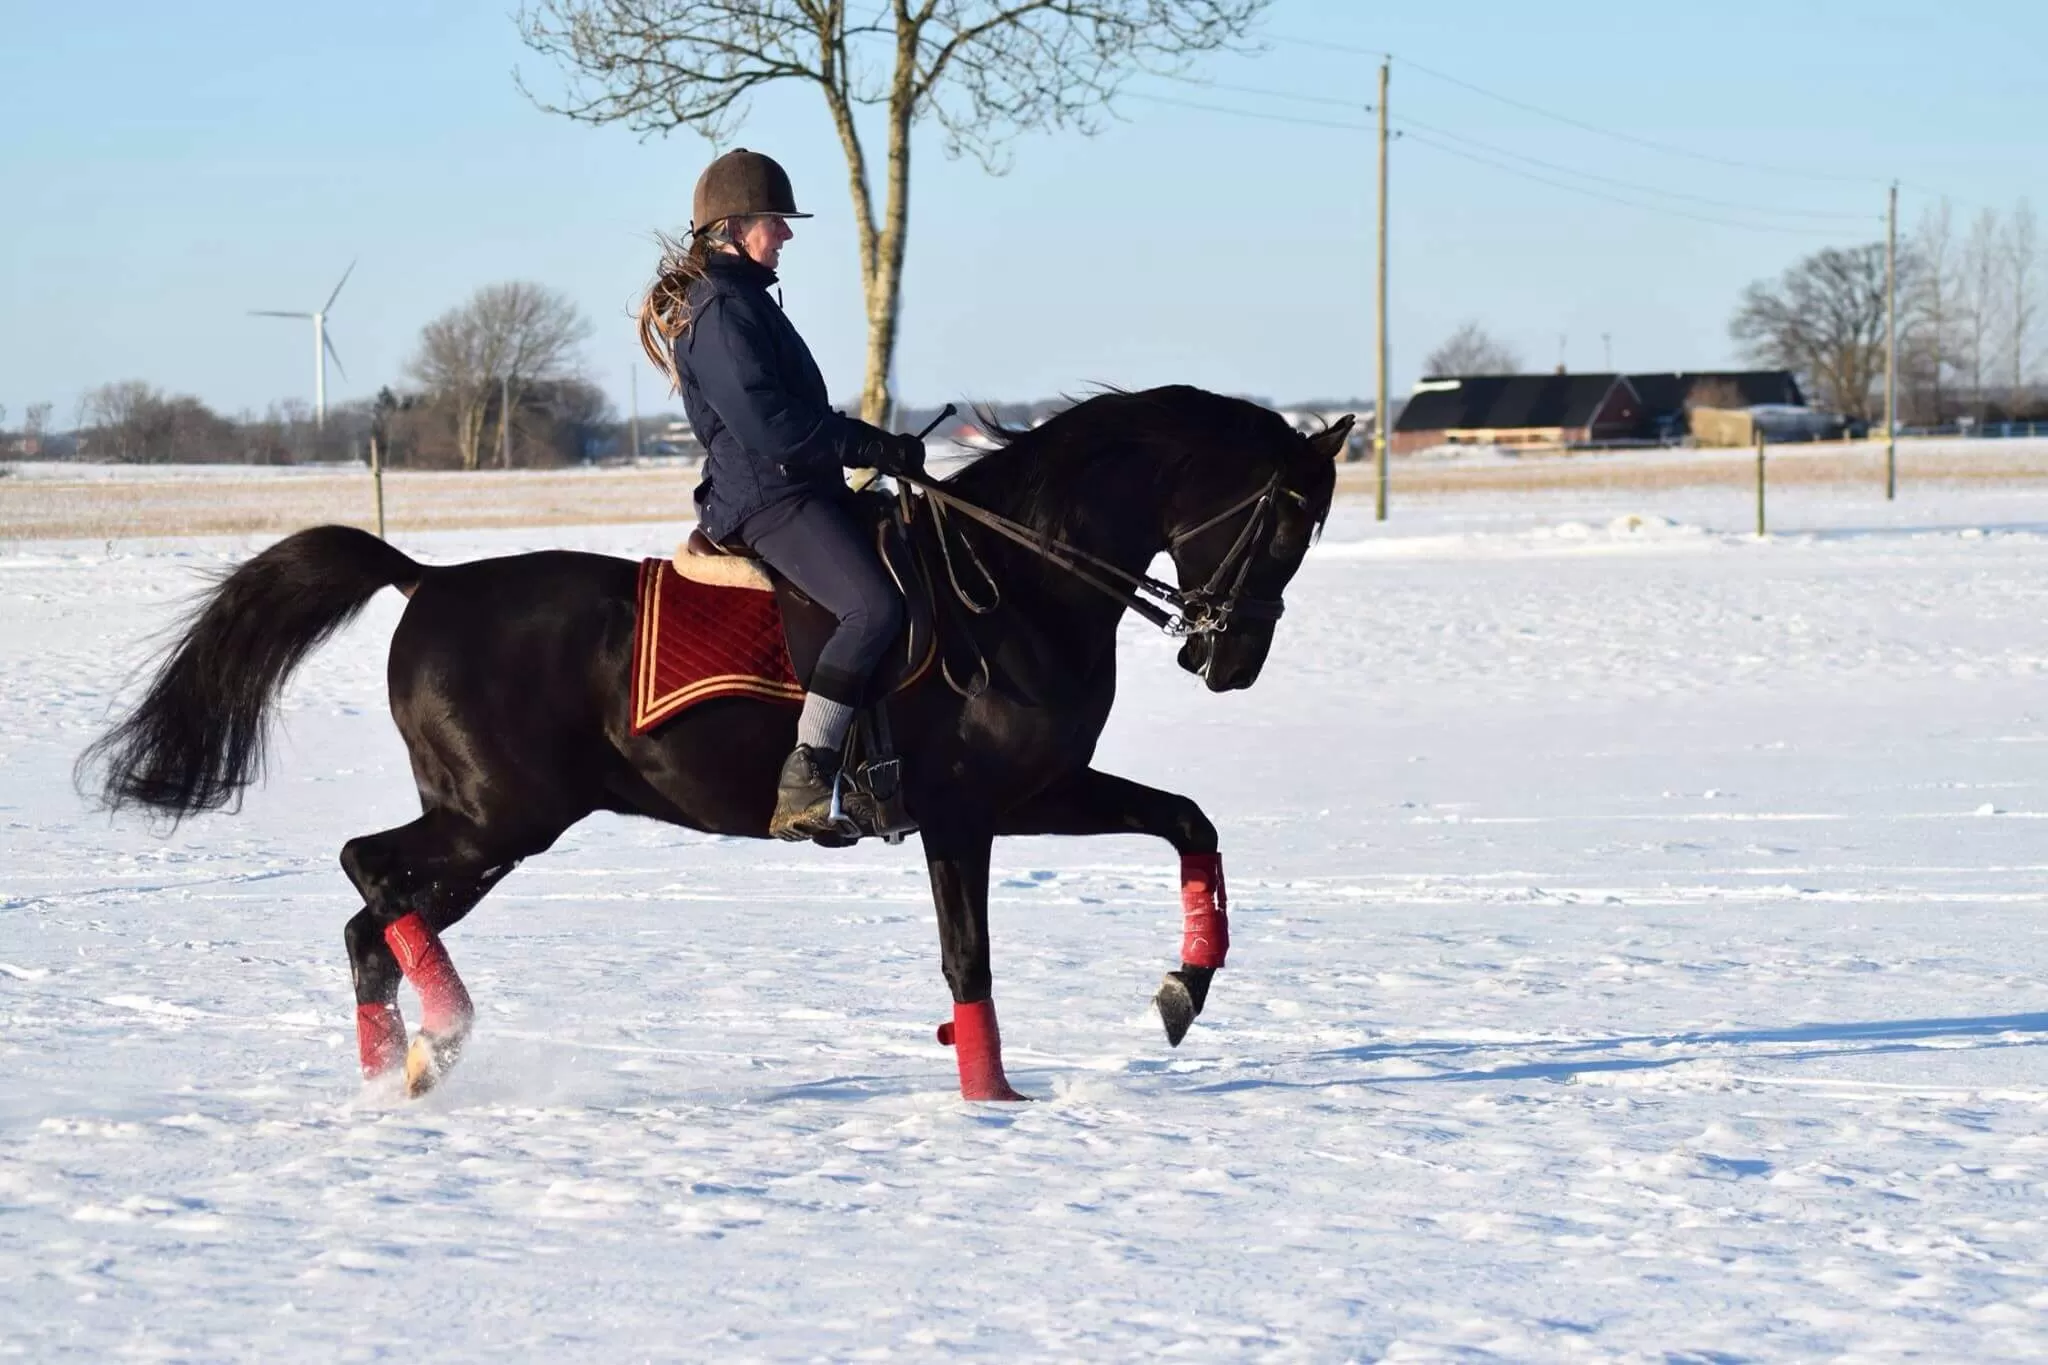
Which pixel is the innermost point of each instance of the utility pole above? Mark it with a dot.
(634, 376)
(505, 421)
(1891, 346)
(1381, 419)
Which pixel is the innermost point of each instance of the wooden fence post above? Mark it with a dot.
(1759, 481)
(377, 480)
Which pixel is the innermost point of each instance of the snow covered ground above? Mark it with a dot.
(1639, 953)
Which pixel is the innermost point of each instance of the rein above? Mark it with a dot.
(1200, 611)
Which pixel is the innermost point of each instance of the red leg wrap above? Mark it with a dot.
(973, 1032)
(380, 1038)
(1205, 919)
(444, 1000)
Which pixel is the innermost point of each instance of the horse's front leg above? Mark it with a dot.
(1090, 802)
(958, 860)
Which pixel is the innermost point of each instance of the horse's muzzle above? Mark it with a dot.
(1226, 663)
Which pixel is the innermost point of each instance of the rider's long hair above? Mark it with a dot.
(665, 311)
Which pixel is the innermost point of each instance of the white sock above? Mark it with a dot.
(824, 723)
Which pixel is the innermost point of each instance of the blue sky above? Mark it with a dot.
(167, 167)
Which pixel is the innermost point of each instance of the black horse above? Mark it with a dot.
(509, 682)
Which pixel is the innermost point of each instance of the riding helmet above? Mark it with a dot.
(739, 184)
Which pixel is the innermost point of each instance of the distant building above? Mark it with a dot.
(1668, 399)
(673, 437)
(1582, 409)
(1518, 410)
(1776, 422)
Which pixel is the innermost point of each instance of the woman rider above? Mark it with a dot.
(774, 448)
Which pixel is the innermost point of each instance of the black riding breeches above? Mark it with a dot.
(815, 544)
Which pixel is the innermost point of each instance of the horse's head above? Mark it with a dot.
(1235, 554)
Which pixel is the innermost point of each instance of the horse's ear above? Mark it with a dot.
(1329, 442)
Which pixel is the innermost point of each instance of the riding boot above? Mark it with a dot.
(803, 794)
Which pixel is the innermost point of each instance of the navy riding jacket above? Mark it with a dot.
(757, 401)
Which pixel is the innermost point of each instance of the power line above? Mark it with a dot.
(1489, 160)
(1489, 156)
(1636, 186)
(1285, 95)
(1244, 113)
(1329, 46)
(1651, 144)
(1669, 149)
(1449, 150)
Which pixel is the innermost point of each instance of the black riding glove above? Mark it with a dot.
(894, 452)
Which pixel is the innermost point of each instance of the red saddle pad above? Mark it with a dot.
(693, 642)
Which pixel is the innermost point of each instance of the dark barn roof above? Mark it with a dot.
(1500, 401)
(1670, 392)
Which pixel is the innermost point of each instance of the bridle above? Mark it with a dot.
(1194, 612)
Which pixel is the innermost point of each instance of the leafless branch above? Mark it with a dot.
(983, 70)
(1471, 350)
(1825, 318)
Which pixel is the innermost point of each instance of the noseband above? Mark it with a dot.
(1209, 609)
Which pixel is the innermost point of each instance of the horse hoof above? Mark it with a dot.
(999, 1093)
(1177, 1008)
(1181, 997)
(426, 1061)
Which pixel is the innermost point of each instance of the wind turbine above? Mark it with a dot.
(322, 347)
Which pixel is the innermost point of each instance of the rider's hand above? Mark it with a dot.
(895, 452)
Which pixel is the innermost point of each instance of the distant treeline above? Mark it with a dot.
(553, 422)
(497, 382)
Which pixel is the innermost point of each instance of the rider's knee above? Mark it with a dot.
(890, 615)
(880, 615)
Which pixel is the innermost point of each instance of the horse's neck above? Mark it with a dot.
(1117, 521)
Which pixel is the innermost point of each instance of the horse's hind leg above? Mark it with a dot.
(380, 1028)
(416, 881)
(1092, 802)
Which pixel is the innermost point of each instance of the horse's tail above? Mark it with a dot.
(195, 741)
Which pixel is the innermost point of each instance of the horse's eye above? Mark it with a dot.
(1287, 534)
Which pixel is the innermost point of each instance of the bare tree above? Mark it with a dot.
(1983, 299)
(1716, 394)
(1928, 330)
(505, 336)
(2022, 283)
(986, 70)
(1469, 351)
(35, 425)
(132, 421)
(285, 433)
(1823, 318)
(118, 416)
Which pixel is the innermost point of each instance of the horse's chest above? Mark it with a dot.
(1035, 743)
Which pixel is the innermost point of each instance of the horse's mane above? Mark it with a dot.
(1039, 474)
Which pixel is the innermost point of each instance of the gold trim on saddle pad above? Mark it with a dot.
(650, 707)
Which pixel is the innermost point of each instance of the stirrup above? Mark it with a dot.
(883, 779)
(843, 823)
(879, 775)
(875, 810)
